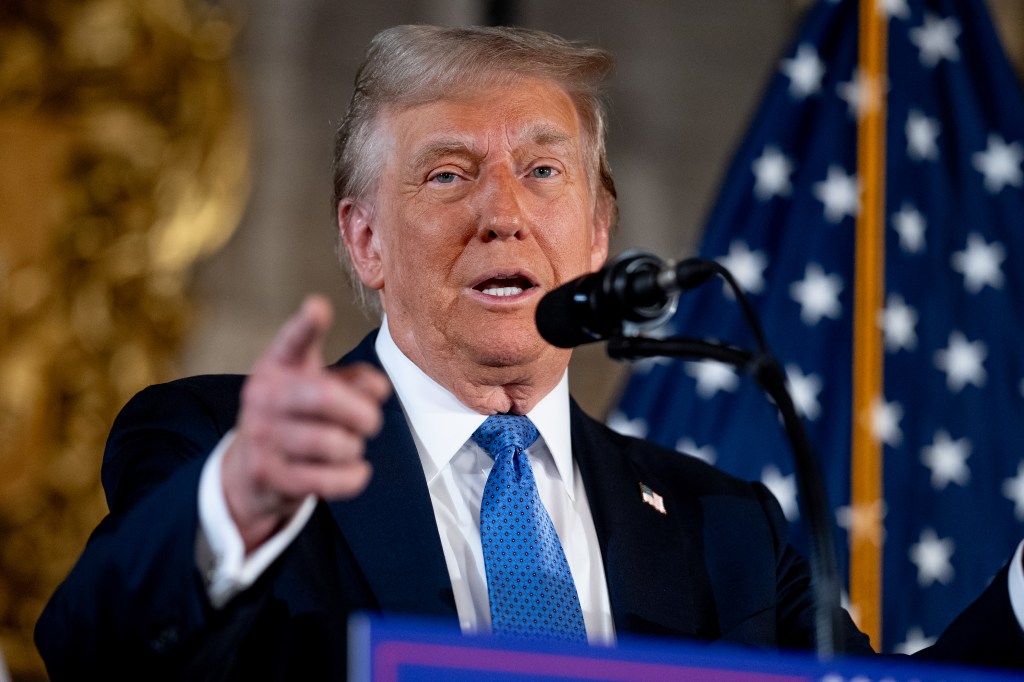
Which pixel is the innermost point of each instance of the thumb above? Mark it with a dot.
(302, 336)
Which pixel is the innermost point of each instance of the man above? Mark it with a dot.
(250, 516)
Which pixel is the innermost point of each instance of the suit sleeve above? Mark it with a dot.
(135, 605)
(985, 633)
(795, 599)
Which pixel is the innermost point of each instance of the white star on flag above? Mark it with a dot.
(804, 389)
(783, 488)
(898, 321)
(1013, 490)
(1000, 163)
(893, 8)
(947, 460)
(839, 192)
(963, 362)
(712, 377)
(936, 39)
(914, 642)
(922, 134)
(746, 266)
(689, 446)
(910, 225)
(805, 71)
(617, 421)
(980, 263)
(932, 555)
(818, 295)
(771, 171)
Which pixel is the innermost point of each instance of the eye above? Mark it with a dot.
(543, 172)
(444, 177)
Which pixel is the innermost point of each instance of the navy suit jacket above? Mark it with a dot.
(715, 567)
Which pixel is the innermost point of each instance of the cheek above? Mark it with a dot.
(569, 257)
(575, 245)
(421, 257)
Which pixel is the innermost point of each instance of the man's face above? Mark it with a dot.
(484, 204)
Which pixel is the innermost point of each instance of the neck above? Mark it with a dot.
(498, 390)
(509, 386)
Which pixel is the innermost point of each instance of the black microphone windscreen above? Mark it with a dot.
(555, 320)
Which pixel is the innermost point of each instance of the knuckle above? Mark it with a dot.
(309, 395)
(316, 442)
(349, 445)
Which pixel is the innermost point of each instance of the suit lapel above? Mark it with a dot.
(657, 582)
(407, 573)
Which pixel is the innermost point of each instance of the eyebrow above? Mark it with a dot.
(548, 135)
(542, 134)
(439, 149)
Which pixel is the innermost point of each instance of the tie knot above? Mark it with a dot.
(505, 433)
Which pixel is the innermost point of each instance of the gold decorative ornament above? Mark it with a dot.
(123, 160)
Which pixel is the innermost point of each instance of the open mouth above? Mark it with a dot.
(504, 286)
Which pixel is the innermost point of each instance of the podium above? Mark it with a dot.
(410, 650)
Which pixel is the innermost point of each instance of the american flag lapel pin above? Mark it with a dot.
(652, 498)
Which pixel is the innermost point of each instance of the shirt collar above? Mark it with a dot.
(442, 425)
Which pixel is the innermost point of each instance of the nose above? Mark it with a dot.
(503, 215)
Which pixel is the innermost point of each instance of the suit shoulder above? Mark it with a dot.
(211, 396)
(205, 389)
(164, 426)
(671, 465)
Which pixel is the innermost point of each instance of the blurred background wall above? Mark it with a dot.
(164, 202)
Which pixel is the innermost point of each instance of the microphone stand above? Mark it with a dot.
(813, 503)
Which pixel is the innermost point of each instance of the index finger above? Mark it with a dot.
(303, 334)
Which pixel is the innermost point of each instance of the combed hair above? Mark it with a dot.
(413, 64)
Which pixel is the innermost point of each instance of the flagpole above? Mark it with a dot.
(866, 499)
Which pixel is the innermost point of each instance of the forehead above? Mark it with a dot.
(526, 111)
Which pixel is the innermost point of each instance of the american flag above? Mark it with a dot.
(949, 417)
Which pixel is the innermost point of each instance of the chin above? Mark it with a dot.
(506, 350)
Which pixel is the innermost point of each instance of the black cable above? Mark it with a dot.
(748, 311)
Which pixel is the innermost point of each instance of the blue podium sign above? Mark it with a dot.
(410, 650)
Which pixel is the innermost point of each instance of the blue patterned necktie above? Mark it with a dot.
(531, 588)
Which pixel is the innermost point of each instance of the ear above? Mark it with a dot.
(604, 217)
(355, 226)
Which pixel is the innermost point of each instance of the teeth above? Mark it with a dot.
(503, 291)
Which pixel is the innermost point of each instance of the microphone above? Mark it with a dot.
(635, 291)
